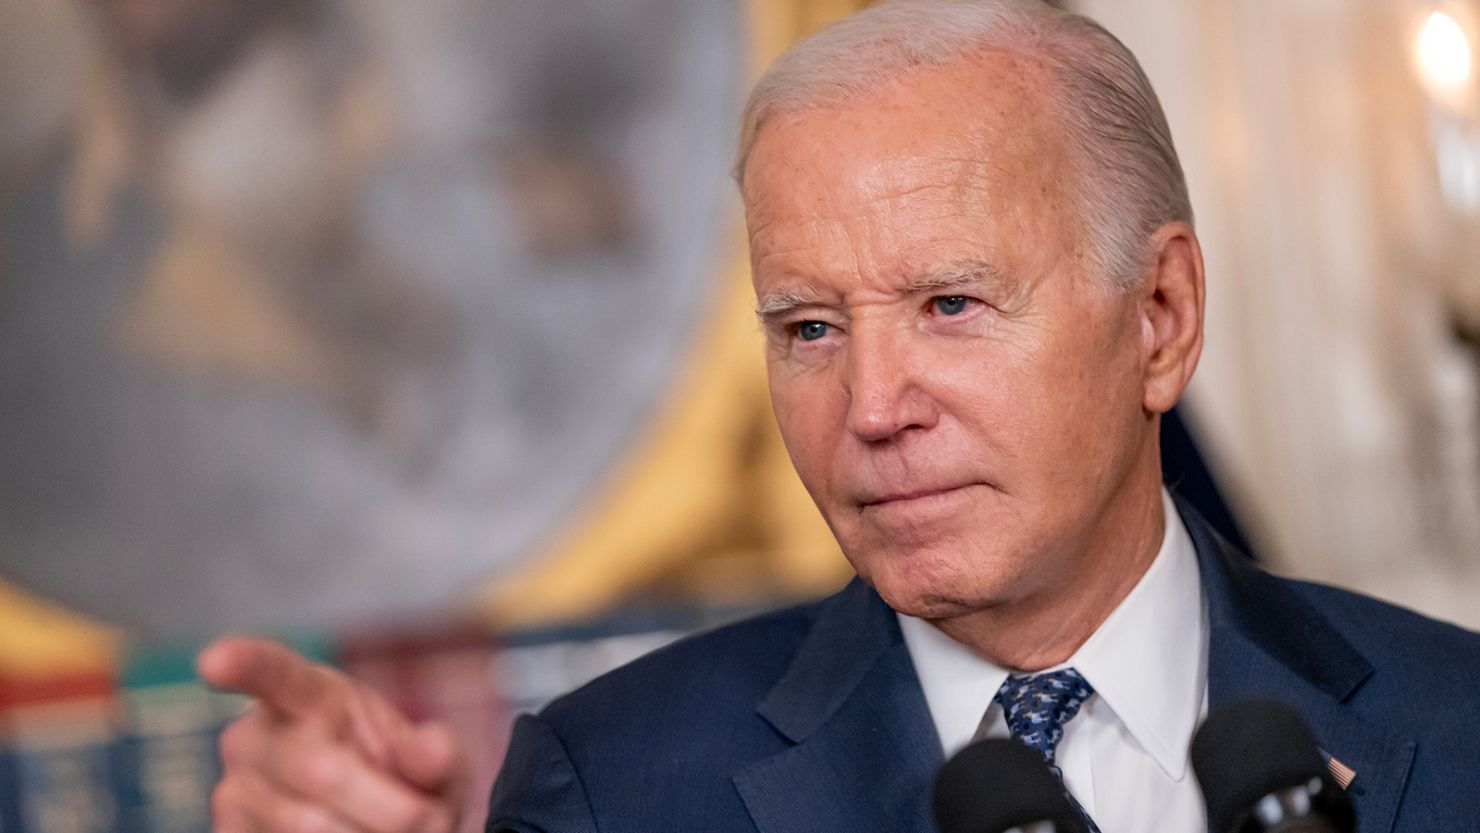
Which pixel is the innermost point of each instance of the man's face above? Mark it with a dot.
(958, 389)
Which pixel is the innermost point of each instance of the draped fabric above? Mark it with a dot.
(1336, 392)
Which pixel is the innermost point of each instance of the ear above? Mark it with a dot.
(1172, 295)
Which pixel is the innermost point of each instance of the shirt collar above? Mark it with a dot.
(958, 684)
(1147, 661)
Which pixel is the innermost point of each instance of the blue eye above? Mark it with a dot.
(950, 304)
(811, 330)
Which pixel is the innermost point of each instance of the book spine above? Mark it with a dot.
(65, 773)
(10, 792)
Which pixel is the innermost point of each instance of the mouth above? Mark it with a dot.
(912, 495)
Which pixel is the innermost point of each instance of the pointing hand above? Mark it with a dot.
(321, 753)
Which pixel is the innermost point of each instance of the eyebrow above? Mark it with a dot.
(958, 276)
(782, 302)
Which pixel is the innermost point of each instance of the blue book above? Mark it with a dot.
(10, 796)
(167, 758)
(63, 767)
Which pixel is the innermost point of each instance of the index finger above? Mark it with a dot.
(276, 675)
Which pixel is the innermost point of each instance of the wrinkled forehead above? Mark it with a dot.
(978, 135)
(993, 108)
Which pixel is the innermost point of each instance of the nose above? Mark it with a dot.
(883, 382)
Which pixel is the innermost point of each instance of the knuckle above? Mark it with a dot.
(233, 809)
(308, 819)
(335, 687)
(381, 717)
(438, 820)
(320, 772)
(440, 734)
(415, 817)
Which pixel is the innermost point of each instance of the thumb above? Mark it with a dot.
(431, 759)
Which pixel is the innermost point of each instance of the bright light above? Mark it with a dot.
(1443, 54)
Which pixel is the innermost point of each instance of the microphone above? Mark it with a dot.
(998, 785)
(1262, 772)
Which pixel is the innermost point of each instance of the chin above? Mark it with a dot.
(929, 607)
(930, 585)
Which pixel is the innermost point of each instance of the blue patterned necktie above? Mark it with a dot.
(1037, 707)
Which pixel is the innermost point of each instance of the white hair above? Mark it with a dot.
(1129, 181)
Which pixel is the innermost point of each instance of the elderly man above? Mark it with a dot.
(980, 286)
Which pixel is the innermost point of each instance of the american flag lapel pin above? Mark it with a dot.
(1342, 774)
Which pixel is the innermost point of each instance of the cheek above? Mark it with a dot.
(995, 393)
(810, 423)
(1046, 409)
(1089, 411)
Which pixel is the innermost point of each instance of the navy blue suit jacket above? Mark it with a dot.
(811, 720)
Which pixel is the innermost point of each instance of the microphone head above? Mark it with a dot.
(997, 784)
(1253, 748)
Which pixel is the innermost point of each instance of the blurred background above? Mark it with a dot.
(420, 335)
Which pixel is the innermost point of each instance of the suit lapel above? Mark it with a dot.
(864, 748)
(1267, 642)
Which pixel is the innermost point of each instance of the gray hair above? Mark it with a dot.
(1130, 182)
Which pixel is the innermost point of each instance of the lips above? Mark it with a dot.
(912, 494)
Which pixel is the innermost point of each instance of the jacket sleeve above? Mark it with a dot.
(538, 789)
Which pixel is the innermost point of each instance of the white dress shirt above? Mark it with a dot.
(1125, 755)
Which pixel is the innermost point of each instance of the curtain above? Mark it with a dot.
(1336, 392)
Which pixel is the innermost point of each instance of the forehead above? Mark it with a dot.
(969, 149)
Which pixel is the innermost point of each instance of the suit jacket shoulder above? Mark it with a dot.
(727, 670)
(1384, 689)
(1423, 690)
(653, 745)
(1407, 642)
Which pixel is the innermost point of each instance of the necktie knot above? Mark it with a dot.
(1037, 707)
